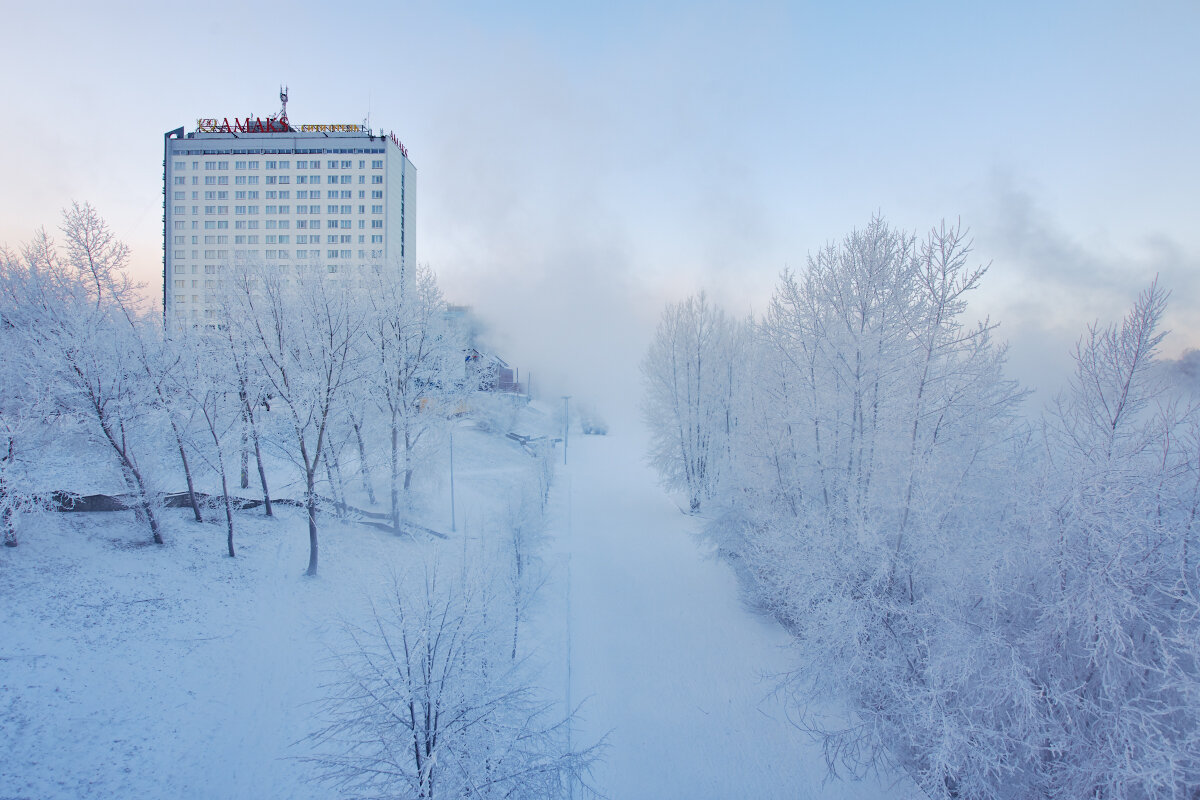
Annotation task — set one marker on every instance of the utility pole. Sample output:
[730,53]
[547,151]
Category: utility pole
[566,425]
[453,526]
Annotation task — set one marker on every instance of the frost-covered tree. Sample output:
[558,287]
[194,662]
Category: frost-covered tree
[414,363]
[690,375]
[302,337]
[426,703]
[77,314]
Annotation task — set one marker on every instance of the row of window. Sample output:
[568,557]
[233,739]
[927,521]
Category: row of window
[271,238]
[303,164]
[274,180]
[283,194]
[280,238]
[277,151]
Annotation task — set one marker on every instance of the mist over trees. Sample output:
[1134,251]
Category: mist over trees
[1009,608]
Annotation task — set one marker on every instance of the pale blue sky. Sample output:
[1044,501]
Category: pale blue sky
[581,163]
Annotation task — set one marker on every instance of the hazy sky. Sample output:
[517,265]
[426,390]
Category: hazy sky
[579,165]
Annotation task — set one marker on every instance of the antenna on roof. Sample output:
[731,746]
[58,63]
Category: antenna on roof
[283,97]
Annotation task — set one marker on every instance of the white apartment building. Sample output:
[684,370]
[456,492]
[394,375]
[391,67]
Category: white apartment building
[267,192]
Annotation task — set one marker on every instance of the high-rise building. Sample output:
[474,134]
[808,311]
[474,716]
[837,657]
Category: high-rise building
[265,191]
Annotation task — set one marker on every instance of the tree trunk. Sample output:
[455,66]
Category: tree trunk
[395,459]
[7,524]
[228,505]
[187,473]
[245,452]
[310,505]
[363,467]
[262,472]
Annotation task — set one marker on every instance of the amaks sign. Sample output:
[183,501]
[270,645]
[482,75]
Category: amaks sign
[247,125]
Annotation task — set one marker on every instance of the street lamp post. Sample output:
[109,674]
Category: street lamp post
[566,425]
[453,526]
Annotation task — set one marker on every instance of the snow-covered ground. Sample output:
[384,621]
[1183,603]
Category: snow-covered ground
[129,670]
[667,659]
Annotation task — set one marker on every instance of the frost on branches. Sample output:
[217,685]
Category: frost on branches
[1010,610]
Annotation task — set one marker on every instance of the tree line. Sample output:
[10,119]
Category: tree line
[333,377]
[1008,605]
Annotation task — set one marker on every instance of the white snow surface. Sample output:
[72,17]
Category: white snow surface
[130,670]
[666,658]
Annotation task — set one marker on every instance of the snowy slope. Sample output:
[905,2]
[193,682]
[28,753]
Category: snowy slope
[130,670]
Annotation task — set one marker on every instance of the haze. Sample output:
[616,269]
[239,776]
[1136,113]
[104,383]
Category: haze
[581,165]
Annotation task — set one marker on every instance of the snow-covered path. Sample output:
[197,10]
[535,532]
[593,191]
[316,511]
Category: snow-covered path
[667,658]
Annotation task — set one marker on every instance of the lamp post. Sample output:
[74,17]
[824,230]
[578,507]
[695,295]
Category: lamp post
[566,425]
[453,526]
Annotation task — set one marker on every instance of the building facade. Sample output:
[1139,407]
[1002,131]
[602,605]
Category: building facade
[337,198]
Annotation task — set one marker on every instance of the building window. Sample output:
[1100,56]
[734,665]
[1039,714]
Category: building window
[210,165]
[253,180]
[377,164]
[270,178]
[239,180]
[376,194]
[377,238]
[253,165]
[376,223]
[180,195]
[222,165]
[376,179]
[377,209]
[285,179]
[285,164]
[239,165]
[180,180]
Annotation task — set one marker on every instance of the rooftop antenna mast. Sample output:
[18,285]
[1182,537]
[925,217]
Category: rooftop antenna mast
[283,97]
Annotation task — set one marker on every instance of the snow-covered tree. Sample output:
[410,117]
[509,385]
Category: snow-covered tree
[414,364]
[690,375]
[77,314]
[426,703]
[302,337]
